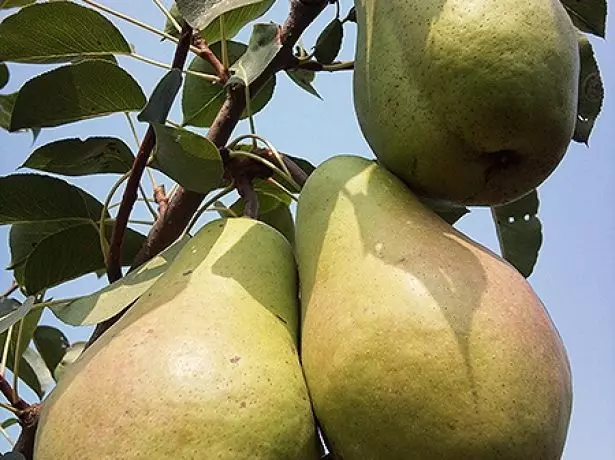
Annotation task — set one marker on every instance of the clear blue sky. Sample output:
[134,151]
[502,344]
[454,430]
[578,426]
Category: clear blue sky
[576,266]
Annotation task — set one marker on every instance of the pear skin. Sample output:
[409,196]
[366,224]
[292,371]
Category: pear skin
[418,343]
[203,366]
[471,102]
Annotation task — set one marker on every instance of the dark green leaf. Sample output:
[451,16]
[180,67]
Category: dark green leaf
[200,13]
[520,232]
[69,358]
[263,46]
[587,15]
[34,197]
[112,299]
[447,212]
[75,157]
[7,102]
[161,101]
[351,16]
[591,91]
[6,4]
[70,253]
[64,30]
[329,42]
[9,422]
[76,92]
[12,311]
[13,456]
[202,100]
[51,344]
[4,75]
[39,368]
[281,219]
[305,165]
[169,27]
[189,159]
[304,78]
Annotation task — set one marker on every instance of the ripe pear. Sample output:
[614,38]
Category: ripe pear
[467,101]
[417,342]
[203,366]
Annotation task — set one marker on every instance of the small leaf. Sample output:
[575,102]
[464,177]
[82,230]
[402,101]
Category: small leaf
[69,358]
[4,75]
[329,42]
[74,157]
[34,197]
[160,103]
[52,345]
[587,15]
[12,311]
[304,78]
[80,91]
[447,212]
[307,167]
[591,92]
[263,47]
[202,100]
[38,367]
[7,102]
[9,422]
[64,30]
[112,299]
[70,253]
[200,13]
[520,232]
[6,4]
[191,160]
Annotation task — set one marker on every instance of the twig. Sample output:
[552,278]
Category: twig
[246,191]
[207,54]
[12,288]
[316,66]
[160,197]
[12,398]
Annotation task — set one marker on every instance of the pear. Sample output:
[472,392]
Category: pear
[418,343]
[203,366]
[467,101]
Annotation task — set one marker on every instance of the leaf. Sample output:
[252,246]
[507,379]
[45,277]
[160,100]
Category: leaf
[160,103]
[447,212]
[39,370]
[587,15]
[12,311]
[263,47]
[307,167]
[281,219]
[76,92]
[75,157]
[200,13]
[7,102]
[52,345]
[304,78]
[68,254]
[13,456]
[591,91]
[34,197]
[520,232]
[69,358]
[234,21]
[9,422]
[202,100]
[4,75]
[6,4]
[189,159]
[329,42]
[112,299]
[64,30]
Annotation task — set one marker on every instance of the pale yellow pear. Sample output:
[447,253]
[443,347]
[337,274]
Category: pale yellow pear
[418,343]
[468,101]
[203,366]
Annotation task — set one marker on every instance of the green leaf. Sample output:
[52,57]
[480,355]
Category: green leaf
[161,101]
[51,344]
[305,165]
[189,159]
[447,212]
[12,311]
[281,219]
[200,13]
[6,4]
[263,47]
[202,100]
[64,30]
[591,92]
[75,157]
[9,422]
[7,102]
[76,92]
[4,75]
[39,369]
[587,15]
[68,254]
[26,373]
[329,42]
[34,197]
[304,78]
[69,358]
[112,299]
[519,232]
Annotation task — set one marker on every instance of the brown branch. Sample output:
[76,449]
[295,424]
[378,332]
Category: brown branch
[161,199]
[11,397]
[246,191]
[207,54]
[29,423]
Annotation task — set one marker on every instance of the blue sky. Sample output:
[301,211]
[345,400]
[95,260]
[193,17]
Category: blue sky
[576,265]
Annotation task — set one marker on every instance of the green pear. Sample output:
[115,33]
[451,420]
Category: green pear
[203,366]
[418,343]
[468,101]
